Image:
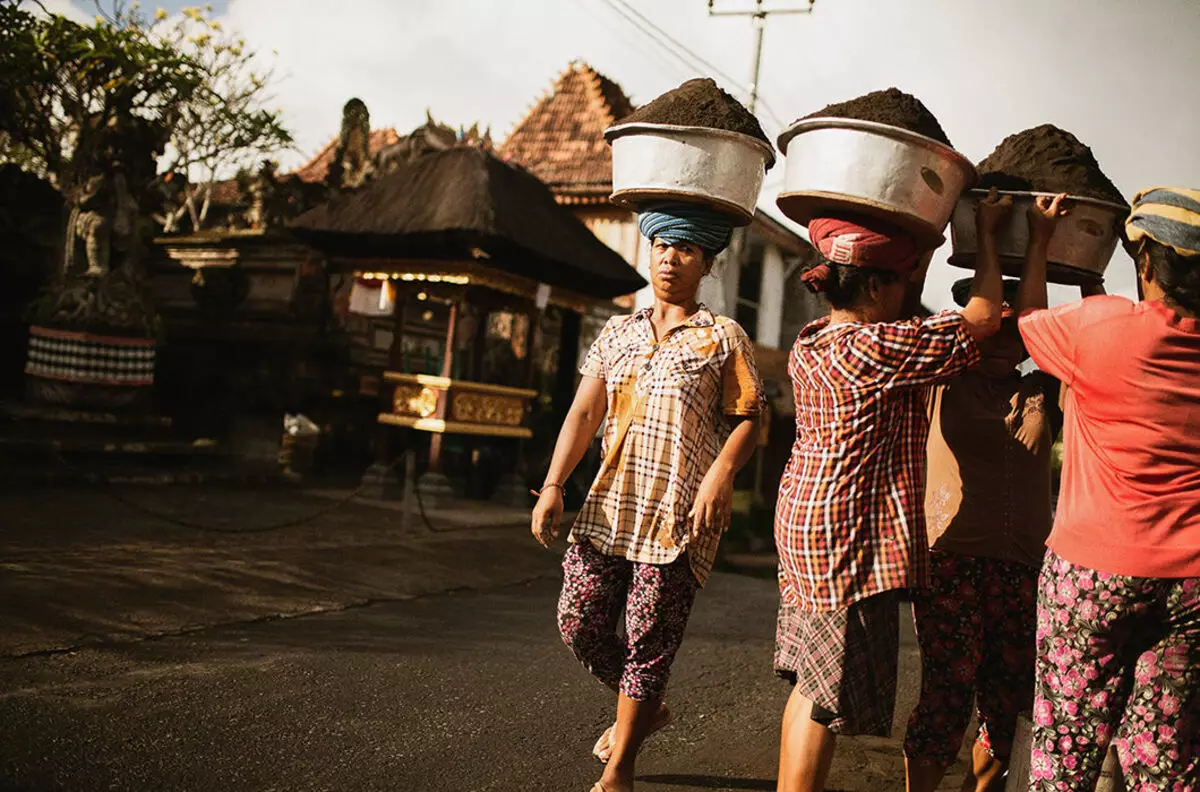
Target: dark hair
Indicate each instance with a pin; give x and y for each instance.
(847, 287)
(1178, 275)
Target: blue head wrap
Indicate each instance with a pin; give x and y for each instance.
(684, 222)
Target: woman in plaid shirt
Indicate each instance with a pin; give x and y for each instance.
(682, 396)
(849, 526)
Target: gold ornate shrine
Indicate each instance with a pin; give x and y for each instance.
(445, 406)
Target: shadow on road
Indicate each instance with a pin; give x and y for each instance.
(708, 782)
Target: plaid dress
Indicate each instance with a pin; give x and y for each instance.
(666, 405)
(849, 525)
(850, 519)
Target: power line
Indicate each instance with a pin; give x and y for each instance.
(685, 54)
(659, 36)
(759, 17)
(673, 64)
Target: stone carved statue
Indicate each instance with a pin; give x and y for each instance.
(430, 136)
(352, 165)
(100, 282)
(101, 224)
(260, 188)
(271, 199)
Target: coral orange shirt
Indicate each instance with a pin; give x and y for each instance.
(1130, 497)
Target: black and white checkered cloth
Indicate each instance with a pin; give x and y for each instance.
(83, 357)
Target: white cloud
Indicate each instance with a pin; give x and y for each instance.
(62, 7)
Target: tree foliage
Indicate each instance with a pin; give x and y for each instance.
(62, 83)
(226, 126)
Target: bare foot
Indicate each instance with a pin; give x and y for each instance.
(602, 750)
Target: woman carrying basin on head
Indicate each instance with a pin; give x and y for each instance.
(1118, 626)
(682, 396)
(987, 511)
(849, 525)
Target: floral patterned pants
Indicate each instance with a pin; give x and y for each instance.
(1118, 661)
(657, 600)
(975, 626)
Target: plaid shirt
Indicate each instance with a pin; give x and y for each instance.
(665, 428)
(850, 518)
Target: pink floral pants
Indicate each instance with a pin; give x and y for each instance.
(1119, 662)
(656, 599)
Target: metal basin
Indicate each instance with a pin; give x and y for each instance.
(846, 165)
(1079, 251)
(658, 162)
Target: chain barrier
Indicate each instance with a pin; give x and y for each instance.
(421, 508)
(106, 488)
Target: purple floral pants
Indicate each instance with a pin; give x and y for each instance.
(975, 626)
(1118, 661)
(657, 600)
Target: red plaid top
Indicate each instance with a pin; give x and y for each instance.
(850, 518)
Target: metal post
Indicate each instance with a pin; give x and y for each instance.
(759, 20)
(740, 240)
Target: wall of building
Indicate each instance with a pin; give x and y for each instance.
(771, 299)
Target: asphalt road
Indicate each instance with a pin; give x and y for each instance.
(351, 654)
(448, 692)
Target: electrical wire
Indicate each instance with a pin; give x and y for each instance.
(687, 56)
(671, 63)
(677, 48)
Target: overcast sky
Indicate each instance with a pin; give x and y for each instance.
(1120, 75)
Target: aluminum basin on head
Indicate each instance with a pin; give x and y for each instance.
(653, 163)
(843, 164)
(1079, 251)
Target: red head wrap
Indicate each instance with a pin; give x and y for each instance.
(859, 242)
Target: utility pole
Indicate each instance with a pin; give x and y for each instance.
(738, 243)
(739, 246)
(758, 18)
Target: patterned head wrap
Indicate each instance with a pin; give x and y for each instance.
(684, 222)
(859, 242)
(1168, 215)
(961, 292)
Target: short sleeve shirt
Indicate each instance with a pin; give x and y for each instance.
(850, 518)
(1129, 502)
(667, 405)
(988, 489)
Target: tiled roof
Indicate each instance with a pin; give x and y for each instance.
(561, 139)
(225, 193)
(317, 168)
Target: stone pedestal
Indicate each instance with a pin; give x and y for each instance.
(436, 491)
(380, 482)
(511, 490)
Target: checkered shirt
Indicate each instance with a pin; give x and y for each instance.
(850, 519)
(666, 406)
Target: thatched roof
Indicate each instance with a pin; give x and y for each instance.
(450, 205)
